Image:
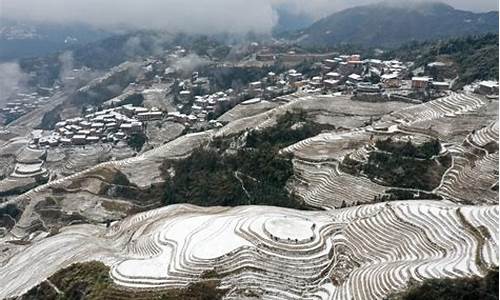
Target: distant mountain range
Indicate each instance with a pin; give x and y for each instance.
(390, 24)
(385, 24)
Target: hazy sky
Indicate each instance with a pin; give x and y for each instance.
(200, 16)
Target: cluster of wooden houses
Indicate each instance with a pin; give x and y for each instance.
(109, 125)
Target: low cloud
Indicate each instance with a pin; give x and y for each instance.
(12, 80)
(189, 63)
(317, 9)
(66, 60)
(190, 16)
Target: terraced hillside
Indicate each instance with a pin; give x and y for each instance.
(362, 241)
(364, 252)
(474, 172)
(144, 170)
(324, 186)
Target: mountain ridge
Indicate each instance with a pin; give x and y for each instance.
(385, 24)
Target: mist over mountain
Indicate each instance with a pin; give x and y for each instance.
(291, 21)
(389, 24)
(36, 28)
(20, 39)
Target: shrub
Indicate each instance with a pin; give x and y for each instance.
(474, 288)
(91, 281)
(402, 164)
(136, 141)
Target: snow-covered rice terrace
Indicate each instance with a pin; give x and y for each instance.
(366, 251)
(370, 250)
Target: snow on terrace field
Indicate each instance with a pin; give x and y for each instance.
(329, 109)
(241, 111)
(143, 170)
(364, 252)
(454, 128)
(290, 228)
(324, 185)
(471, 180)
(320, 183)
(453, 105)
(329, 146)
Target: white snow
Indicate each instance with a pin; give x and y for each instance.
(290, 227)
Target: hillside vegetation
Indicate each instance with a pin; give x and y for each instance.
(255, 174)
(447, 289)
(402, 164)
(91, 281)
